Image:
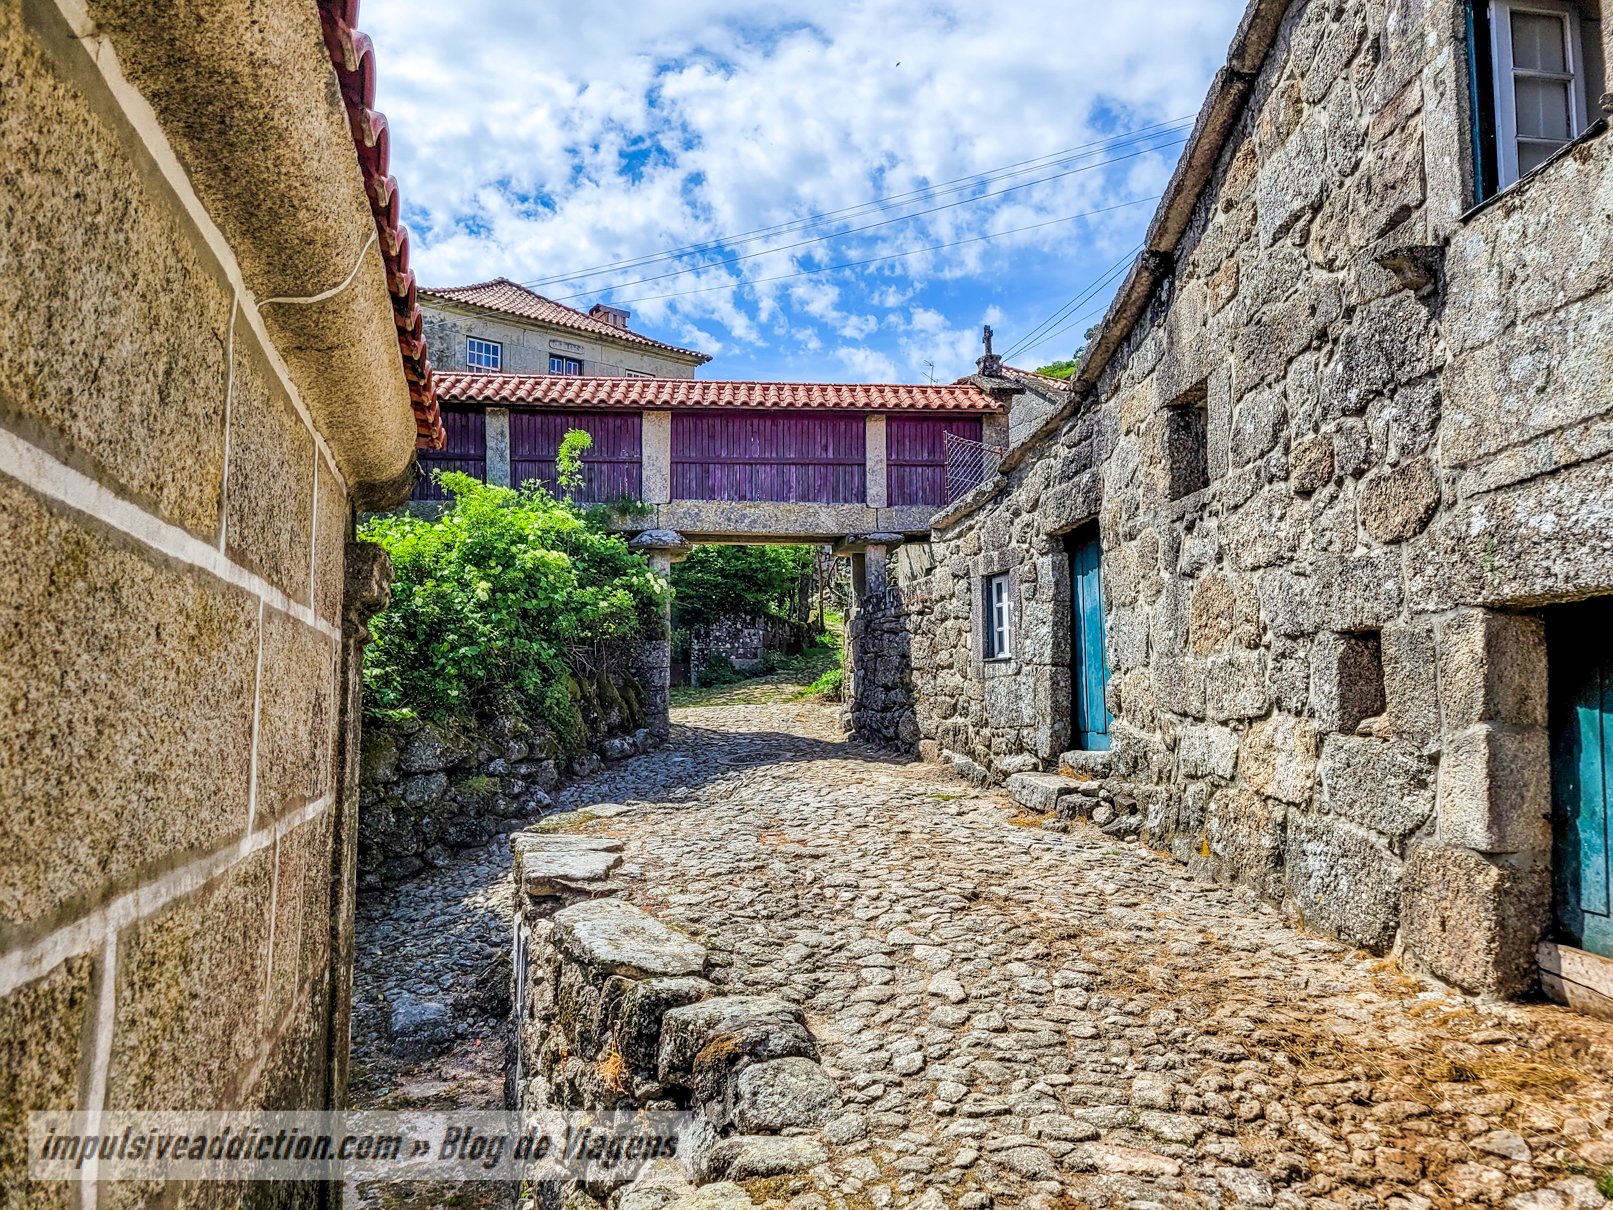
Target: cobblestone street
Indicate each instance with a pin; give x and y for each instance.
(1014, 1015)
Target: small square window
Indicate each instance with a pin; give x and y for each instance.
(999, 618)
(1187, 444)
(483, 354)
(564, 365)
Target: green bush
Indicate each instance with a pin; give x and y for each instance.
(752, 580)
(492, 597)
(828, 686)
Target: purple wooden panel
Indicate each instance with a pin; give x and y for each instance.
(611, 467)
(465, 451)
(915, 456)
(789, 457)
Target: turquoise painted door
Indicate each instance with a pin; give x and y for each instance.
(1581, 670)
(1090, 670)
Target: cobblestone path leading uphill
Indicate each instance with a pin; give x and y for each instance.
(1017, 1016)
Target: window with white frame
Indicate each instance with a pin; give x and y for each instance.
(1529, 86)
(999, 618)
(483, 354)
(564, 365)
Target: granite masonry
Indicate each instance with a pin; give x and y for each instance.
(203, 372)
(1344, 439)
(427, 789)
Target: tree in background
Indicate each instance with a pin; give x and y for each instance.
(1067, 369)
(757, 581)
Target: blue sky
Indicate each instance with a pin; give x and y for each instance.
(570, 146)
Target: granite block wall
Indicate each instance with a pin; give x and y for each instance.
(181, 605)
(1350, 450)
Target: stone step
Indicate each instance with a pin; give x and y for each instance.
(546, 873)
(615, 937)
(1041, 791)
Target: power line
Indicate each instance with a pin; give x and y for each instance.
(1036, 333)
(975, 239)
(869, 227)
(1158, 129)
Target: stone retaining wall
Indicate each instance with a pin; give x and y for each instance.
(426, 789)
(615, 1010)
(744, 640)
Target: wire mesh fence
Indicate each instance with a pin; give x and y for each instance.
(968, 464)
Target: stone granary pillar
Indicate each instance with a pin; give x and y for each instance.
(663, 548)
(868, 553)
(863, 633)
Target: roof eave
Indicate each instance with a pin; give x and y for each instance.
(1218, 117)
(674, 352)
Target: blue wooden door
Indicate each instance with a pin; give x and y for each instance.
(1089, 669)
(1581, 670)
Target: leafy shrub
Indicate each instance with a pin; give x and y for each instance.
(494, 596)
(829, 686)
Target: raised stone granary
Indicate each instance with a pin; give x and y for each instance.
(1340, 446)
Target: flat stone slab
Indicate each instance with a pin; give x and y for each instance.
(745, 1157)
(549, 842)
(1040, 791)
(548, 872)
(617, 937)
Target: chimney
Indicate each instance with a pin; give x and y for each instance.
(614, 316)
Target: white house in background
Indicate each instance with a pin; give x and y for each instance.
(502, 327)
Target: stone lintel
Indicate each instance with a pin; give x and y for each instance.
(858, 544)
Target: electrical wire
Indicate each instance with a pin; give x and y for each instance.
(1039, 335)
(1056, 159)
(974, 239)
(859, 230)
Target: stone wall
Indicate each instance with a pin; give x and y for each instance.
(184, 610)
(1351, 446)
(527, 347)
(744, 640)
(615, 1010)
(427, 789)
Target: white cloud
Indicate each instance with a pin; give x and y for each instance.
(534, 144)
(867, 364)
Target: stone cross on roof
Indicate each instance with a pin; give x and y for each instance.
(990, 365)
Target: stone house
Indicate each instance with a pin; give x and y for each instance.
(500, 326)
(1313, 563)
(197, 390)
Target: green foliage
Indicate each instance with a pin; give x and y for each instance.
(828, 686)
(1068, 369)
(492, 596)
(568, 461)
(753, 580)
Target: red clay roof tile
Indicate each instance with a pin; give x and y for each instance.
(353, 57)
(554, 390)
(512, 298)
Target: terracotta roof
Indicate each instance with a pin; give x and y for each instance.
(1029, 377)
(512, 298)
(354, 60)
(554, 390)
